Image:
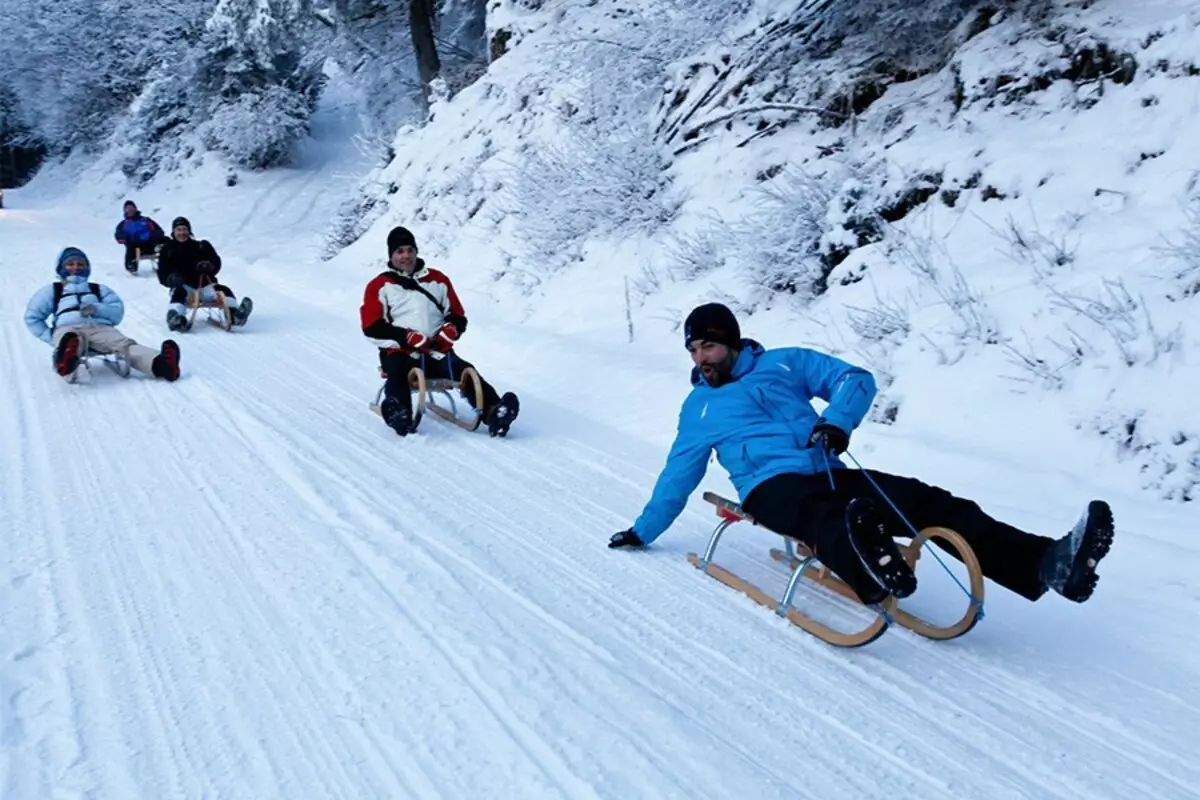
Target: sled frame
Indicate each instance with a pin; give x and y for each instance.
(219, 312)
(805, 565)
(151, 256)
(114, 361)
(426, 390)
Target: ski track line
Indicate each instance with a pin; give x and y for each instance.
(83, 698)
(484, 573)
(238, 423)
(334, 764)
(365, 499)
(533, 745)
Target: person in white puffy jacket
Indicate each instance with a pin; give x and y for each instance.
(83, 318)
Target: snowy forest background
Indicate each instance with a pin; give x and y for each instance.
(1006, 187)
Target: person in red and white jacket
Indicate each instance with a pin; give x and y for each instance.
(413, 313)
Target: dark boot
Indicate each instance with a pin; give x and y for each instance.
(878, 551)
(241, 312)
(397, 415)
(1069, 566)
(502, 415)
(166, 364)
(66, 355)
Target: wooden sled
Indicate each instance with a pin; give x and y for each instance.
(150, 255)
(426, 390)
(804, 565)
(114, 361)
(218, 311)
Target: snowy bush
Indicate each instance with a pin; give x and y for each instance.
(586, 185)
(1184, 253)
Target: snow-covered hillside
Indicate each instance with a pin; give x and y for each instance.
(1035, 204)
(244, 585)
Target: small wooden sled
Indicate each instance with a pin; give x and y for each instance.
(150, 255)
(218, 311)
(805, 565)
(114, 361)
(426, 389)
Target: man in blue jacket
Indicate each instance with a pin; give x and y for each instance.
(137, 233)
(84, 317)
(753, 406)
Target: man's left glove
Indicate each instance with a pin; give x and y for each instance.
(206, 267)
(627, 538)
(444, 339)
(829, 438)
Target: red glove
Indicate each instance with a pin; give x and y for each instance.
(444, 339)
(416, 340)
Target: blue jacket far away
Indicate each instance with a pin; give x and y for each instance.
(759, 423)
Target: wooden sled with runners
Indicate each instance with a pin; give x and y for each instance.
(216, 305)
(805, 566)
(83, 373)
(465, 384)
(148, 254)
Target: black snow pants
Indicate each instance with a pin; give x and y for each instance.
(806, 508)
(396, 364)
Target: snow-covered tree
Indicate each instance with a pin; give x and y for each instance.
(254, 78)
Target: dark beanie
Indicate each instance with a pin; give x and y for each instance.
(400, 237)
(712, 322)
(130, 204)
(175, 223)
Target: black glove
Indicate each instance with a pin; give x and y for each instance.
(174, 280)
(829, 438)
(625, 539)
(207, 267)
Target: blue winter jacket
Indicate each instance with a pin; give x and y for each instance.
(759, 423)
(107, 309)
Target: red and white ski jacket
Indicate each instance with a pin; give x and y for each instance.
(394, 303)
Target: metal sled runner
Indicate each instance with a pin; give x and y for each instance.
(114, 361)
(805, 565)
(427, 390)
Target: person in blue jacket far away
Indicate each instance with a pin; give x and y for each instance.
(753, 406)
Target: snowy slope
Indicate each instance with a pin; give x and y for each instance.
(243, 585)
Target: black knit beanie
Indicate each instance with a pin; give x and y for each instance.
(712, 322)
(400, 237)
(175, 223)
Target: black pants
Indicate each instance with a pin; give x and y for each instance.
(180, 294)
(804, 507)
(396, 365)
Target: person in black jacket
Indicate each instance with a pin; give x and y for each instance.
(187, 265)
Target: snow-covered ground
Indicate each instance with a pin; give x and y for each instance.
(244, 585)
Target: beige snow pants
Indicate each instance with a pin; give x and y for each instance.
(106, 339)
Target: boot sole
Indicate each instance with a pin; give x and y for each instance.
(881, 557)
(1097, 541)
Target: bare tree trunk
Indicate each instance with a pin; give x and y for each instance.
(429, 66)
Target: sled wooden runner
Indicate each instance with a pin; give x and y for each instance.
(221, 305)
(804, 565)
(416, 383)
(424, 389)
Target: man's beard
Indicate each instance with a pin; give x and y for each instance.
(719, 372)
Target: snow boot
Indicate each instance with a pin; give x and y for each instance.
(1069, 566)
(502, 415)
(166, 364)
(397, 416)
(176, 321)
(241, 312)
(66, 355)
(878, 552)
